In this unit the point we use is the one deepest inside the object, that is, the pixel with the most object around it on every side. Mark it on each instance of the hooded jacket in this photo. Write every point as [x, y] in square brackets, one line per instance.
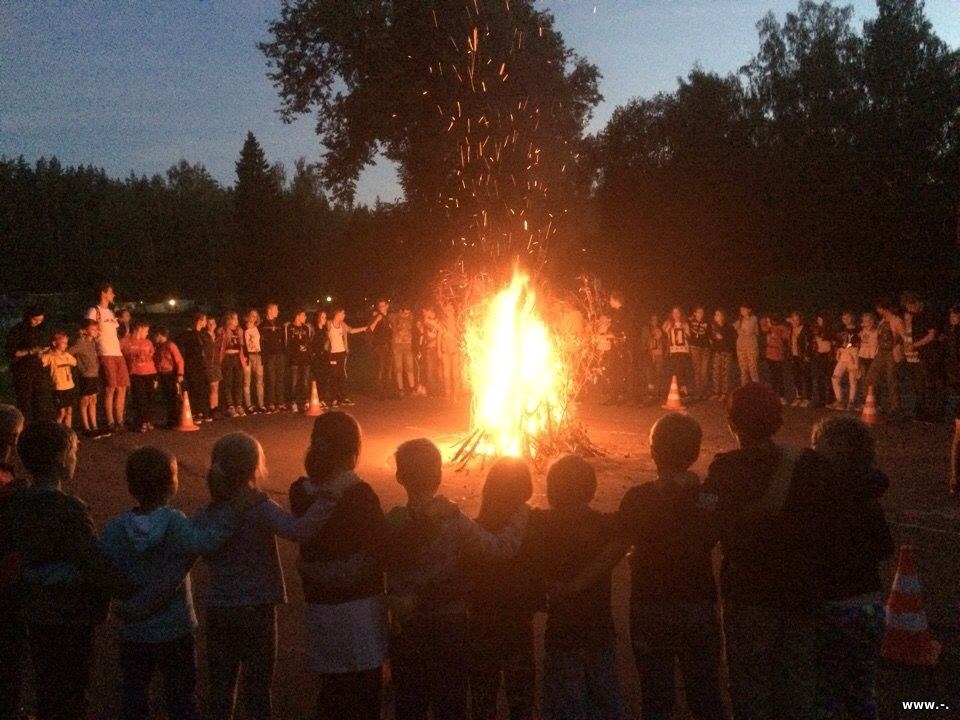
[141, 545]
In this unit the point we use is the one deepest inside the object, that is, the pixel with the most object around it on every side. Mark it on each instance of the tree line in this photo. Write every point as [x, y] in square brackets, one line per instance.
[826, 168]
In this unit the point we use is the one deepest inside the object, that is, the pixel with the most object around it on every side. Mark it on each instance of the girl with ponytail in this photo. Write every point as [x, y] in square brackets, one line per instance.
[246, 579]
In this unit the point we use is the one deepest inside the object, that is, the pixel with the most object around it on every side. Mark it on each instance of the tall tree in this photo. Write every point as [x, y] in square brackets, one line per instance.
[257, 213]
[481, 104]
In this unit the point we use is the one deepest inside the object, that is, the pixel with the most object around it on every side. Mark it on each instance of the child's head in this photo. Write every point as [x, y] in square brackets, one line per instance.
[654, 319]
[124, 315]
[675, 443]
[676, 313]
[140, 329]
[419, 468]
[698, 313]
[48, 450]
[105, 294]
[59, 341]
[252, 318]
[719, 316]
[231, 321]
[151, 474]
[847, 318]
[34, 315]
[754, 413]
[299, 316]
[211, 323]
[236, 461]
[571, 482]
[334, 446]
[90, 328]
[11, 425]
[868, 320]
[795, 318]
[272, 310]
[846, 442]
[508, 486]
[745, 310]
[161, 335]
[383, 306]
[320, 319]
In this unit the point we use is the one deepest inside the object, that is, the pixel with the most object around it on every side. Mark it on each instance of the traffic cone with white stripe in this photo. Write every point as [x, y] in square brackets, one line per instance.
[869, 415]
[314, 408]
[907, 638]
[186, 415]
[673, 397]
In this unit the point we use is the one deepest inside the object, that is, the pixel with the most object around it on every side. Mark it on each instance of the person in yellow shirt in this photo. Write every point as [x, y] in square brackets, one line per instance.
[61, 364]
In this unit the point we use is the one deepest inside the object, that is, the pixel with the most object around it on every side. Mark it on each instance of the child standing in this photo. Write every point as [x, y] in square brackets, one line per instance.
[748, 348]
[194, 368]
[12, 631]
[84, 349]
[66, 581]
[170, 367]
[246, 580]
[855, 538]
[503, 601]
[297, 341]
[673, 615]
[580, 675]
[138, 352]
[847, 343]
[338, 336]
[139, 542]
[320, 355]
[868, 348]
[430, 542]
[723, 342]
[823, 360]
[775, 336]
[700, 352]
[677, 331]
[799, 359]
[211, 361]
[233, 360]
[342, 571]
[61, 364]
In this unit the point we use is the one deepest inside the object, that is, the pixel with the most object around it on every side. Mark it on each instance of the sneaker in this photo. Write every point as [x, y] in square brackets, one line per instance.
[347, 401]
[796, 402]
[145, 427]
[100, 433]
[294, 408]
[803, 403]
[231, 411]
[261, 410]
[839, 406]
[91, 434]
[335, 403]
[240, 411]
[323, 405]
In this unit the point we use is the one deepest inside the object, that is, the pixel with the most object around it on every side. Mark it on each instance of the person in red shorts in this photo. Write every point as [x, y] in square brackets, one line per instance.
[116, 378]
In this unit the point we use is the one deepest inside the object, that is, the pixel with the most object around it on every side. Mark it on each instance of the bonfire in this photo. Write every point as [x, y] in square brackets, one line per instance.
[523, 383]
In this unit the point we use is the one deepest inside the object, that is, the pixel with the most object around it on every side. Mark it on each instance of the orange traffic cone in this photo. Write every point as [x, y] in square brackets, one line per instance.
[314, 408]
[673, 397]
[907, 638]
[869, 415]
[186, 416]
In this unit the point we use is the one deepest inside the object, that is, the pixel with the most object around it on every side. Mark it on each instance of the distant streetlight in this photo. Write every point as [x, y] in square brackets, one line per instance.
[172, 303]
[329, 299]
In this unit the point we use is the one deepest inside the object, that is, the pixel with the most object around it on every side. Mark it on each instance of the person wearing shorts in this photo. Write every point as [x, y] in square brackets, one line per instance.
[60, 364]
[84, 349]
[113, 368]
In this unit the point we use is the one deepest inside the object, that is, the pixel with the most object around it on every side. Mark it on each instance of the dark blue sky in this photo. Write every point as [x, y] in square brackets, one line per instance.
[135, 86]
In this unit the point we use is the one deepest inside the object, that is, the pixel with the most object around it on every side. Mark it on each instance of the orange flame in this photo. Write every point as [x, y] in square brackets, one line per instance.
[516, 371]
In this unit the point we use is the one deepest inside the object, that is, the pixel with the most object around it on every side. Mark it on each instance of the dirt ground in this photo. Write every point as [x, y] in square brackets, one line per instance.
[919, 509]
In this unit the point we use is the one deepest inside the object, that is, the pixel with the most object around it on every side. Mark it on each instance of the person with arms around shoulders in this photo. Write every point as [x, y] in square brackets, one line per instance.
[233, 360]
[922, 353]
[776, 337]
[196, 381]
[139, 354]
[768, 576]
[430, 543]
[700, 353]
[748, 347]
[854, 540]
[297, 337]
[253, 401]
[60, 364]
[274, 359]
[65, 581]
[847, 343]
[677, 332]
[723, 344]
[341, 567]
[171, 370]
[890, 354]
[381, 333]
[338, 336]
[950, 339]
[116, 376]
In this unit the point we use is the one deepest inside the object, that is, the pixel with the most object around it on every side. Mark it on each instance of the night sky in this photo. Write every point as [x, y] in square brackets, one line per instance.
[136, 86]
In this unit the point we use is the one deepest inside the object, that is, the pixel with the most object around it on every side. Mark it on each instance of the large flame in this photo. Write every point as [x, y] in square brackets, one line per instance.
[516, 372]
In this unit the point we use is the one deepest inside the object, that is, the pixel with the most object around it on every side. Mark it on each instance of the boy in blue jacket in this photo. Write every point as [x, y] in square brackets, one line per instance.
[141, 543]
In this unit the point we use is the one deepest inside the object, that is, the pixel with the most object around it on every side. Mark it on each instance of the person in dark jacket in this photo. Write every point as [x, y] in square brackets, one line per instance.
[381, 339]
[24, 346]
[66, 582]
[320, 355]
[855, 539]
[723, 345]
[951, 352]
[768, 577]
[800, 359]
[273, 348]
[195, 377]
[342, 571]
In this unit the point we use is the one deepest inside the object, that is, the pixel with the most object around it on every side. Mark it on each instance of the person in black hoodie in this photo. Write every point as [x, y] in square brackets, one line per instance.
[273, 347]
[194, 370]
[503, 600]
[24, 346]
[342, 572]
[13, 635]
[855, 539]
[766, 500]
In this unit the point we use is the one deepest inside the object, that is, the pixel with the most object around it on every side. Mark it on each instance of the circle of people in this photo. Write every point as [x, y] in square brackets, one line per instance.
[450, 601]
[259, 365]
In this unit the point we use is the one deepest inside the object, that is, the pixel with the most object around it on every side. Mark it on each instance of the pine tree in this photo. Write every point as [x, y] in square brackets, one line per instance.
[256, 213]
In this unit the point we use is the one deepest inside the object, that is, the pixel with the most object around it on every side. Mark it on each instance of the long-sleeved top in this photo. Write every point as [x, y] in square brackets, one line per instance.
[139, 355]
[251, 340]
[84, 349]
[271, 337]
[230, 342]
[297, 340]
[24, 337]
[427, 557]
[168, 359]
[66, 579]
[140, 545]
[60, 364]
[723, 338]
[191, 347]
[246, 570]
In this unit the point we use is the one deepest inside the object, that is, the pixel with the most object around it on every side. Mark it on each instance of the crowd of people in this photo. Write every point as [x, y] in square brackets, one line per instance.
[447, 600]
[229, 368]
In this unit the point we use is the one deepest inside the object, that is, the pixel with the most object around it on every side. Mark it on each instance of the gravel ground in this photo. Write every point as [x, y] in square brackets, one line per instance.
[918, 507]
